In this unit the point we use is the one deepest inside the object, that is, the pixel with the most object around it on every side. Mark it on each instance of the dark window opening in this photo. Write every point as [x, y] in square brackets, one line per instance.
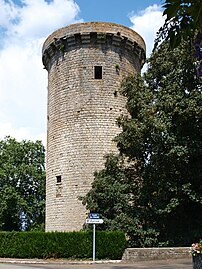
[98, 72]
[58, 179]
[77, 38]
[93, 37]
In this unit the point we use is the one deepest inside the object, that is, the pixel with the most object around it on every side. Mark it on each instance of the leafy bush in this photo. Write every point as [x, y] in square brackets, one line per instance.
[61, 244]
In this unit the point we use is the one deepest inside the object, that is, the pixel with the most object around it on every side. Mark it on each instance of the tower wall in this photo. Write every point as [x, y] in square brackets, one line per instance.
[82, 110]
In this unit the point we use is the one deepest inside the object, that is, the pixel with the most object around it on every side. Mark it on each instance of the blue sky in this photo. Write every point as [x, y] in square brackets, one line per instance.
[113, 10]
[24, 25]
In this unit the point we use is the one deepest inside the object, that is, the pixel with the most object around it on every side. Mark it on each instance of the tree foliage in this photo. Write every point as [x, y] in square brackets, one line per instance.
[22, 184]
[153, 189]
[183, 22]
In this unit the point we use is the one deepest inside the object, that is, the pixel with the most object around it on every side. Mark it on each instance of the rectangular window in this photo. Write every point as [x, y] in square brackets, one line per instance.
[98, 72]
[58, 179]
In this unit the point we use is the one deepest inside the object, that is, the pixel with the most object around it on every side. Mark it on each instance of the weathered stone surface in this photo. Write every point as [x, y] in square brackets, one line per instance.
[82, 110]
[161, 253]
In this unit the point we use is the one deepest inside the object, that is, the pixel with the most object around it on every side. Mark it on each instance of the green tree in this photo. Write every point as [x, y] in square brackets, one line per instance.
[115, 195]
[160, 155]
[22, 184]
[183, 22]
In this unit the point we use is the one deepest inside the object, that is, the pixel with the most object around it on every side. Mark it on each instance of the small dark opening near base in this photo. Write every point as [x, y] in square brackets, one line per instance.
[58, 179]
[98, 72]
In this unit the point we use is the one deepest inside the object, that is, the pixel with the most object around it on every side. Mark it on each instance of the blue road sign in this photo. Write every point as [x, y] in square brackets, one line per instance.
[94, 216]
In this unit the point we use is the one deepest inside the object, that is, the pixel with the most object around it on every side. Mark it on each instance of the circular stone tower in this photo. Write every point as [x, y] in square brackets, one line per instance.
[86, 63]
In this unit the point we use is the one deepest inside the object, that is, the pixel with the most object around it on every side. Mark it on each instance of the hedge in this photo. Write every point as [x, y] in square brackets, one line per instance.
[75, 245]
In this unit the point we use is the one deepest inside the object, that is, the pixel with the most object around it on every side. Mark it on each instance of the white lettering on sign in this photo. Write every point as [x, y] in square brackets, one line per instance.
[94, 221]
[94, 216]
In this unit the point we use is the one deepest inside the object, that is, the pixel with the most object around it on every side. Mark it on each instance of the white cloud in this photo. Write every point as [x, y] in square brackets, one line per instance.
[22, 77]
[8, 13]
[147, 23]
[20, 133]
[37, 17]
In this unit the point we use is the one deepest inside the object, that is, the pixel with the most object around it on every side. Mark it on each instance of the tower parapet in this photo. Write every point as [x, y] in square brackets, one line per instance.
[86, 63]
[93, 33]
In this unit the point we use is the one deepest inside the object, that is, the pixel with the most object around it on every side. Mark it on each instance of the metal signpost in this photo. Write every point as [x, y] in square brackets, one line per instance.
[94, 219]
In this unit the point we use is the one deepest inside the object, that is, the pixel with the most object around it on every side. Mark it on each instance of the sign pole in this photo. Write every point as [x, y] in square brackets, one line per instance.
[93, 242]
[94, 219]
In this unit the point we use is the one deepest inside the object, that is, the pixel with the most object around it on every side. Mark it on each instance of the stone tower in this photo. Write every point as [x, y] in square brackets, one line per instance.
[86, 63]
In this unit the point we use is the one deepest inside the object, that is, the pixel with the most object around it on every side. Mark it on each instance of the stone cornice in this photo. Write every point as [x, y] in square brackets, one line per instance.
[91, 39]
[90, 34]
